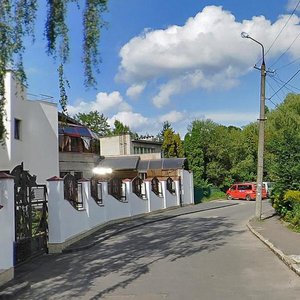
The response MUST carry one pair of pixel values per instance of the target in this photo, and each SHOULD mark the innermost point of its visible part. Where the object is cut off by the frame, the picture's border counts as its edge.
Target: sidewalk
(282, 241)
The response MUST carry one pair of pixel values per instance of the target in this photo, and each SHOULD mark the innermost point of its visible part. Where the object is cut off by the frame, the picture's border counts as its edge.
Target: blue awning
(76, 131)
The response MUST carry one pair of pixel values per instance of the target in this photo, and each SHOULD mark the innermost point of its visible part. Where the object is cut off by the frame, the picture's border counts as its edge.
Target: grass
(215, 196)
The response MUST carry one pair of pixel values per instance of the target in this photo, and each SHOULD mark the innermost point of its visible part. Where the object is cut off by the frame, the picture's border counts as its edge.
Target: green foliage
(288, 207)
(172, 145)
(95, 121)
(207, 147)
(292, 196)
(92, 25)
(120, 128)
(166, 125)
(283, 144)
(218, 195)
(17, 20)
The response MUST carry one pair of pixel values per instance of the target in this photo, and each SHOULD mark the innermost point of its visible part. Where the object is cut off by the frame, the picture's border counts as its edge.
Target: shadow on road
(122, 259)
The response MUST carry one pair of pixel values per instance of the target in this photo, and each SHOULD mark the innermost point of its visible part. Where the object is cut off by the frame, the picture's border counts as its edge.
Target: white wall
(187, 187)
(66, 223)
(38, 145)
(115, 145)
(169, 199)
(7, 228)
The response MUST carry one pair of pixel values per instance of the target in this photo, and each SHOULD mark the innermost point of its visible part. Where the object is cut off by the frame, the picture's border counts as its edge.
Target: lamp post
(261, 133)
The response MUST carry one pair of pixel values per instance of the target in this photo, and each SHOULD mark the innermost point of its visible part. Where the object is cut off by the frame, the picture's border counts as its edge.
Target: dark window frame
(17, 129)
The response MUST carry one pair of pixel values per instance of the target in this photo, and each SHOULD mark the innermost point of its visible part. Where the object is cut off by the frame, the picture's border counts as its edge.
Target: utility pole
(261, 133)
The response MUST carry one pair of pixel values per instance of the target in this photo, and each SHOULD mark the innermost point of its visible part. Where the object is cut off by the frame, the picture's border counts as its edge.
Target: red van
(244, 190)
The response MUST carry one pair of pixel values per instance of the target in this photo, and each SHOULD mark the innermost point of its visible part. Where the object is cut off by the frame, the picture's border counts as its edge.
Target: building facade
(126, 145)
(31, 133)
(79, 148)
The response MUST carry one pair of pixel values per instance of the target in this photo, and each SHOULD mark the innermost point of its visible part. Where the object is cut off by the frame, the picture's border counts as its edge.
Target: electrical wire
(279, 33)
(268, 83)
(280, 81)
(282, 28)
(290, 46)
(288, 64)
(285, 83)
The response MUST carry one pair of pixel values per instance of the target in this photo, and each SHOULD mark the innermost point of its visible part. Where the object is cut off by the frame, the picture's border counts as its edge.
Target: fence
(78, 208)
(119, 199)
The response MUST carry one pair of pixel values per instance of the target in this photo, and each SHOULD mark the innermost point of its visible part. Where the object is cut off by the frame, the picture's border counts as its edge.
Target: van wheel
(229, 197)
(248, 198)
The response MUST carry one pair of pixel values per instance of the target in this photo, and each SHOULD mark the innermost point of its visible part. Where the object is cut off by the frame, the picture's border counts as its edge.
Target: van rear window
(245, 187)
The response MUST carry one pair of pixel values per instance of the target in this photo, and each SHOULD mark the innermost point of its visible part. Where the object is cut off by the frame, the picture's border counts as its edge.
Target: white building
(126, 145)
(32, 133)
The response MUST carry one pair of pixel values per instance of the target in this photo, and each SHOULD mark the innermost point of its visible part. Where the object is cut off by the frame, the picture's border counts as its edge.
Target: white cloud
(135, 121)
(207, 52)
(135, 90)
(229, 118)
(172, 117)
(104, 103)
(191, 81)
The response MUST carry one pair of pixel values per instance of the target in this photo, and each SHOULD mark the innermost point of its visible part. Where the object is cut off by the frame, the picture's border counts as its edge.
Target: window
(17, 132)
(78, 175)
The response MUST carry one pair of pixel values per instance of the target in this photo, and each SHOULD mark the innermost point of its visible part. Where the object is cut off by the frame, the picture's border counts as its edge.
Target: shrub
(288, 207)
(292, 197)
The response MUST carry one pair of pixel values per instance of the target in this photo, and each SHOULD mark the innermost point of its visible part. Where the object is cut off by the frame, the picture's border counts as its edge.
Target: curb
(285, 258)
(146, 222)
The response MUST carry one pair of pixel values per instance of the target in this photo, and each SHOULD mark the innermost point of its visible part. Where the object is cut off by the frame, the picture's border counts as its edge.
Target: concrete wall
(124, 145)
(38, 143)
(187, 187)
(67, 225)
(115, 145)
(7, 228)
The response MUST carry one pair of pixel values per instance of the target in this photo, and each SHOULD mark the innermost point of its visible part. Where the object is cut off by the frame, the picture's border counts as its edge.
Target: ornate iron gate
(31, 211)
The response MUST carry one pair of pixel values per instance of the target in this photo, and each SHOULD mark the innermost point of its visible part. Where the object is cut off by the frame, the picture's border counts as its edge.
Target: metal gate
(31, 211)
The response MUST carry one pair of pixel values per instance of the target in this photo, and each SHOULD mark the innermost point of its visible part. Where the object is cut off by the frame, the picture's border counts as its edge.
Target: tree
(243, 152)
(166, 125)
(95, 121)
(283, 144)
(17, 20)
(172, 145)
(120, 128)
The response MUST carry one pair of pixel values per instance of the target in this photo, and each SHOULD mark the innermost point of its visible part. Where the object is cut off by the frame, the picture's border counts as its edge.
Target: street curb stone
(288, 260)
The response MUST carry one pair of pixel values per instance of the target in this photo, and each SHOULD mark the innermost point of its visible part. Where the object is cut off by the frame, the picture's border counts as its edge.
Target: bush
(205, 194)
(215, 196)
(292, 197)
(288, 207)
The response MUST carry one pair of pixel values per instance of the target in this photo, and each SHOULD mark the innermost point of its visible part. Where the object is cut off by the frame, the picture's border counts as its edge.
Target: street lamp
(261, 133)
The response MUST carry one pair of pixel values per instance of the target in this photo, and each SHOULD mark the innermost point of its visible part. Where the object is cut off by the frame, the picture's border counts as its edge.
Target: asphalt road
(204, 255)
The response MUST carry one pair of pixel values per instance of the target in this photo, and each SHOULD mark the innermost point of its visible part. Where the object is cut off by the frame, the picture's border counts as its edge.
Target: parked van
(244, 190)
(269, 187)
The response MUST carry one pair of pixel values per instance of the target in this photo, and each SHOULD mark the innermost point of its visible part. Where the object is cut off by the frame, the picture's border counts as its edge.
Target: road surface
(204, 255)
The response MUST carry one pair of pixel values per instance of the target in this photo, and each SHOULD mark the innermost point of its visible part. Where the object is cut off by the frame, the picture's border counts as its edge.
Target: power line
(283, 28)
(288, 64)
(268, 83)
(285, 83)
(286, 50)
(277, 79)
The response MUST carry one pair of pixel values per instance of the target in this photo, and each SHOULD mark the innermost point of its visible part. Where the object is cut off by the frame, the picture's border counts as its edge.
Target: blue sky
(177, 61)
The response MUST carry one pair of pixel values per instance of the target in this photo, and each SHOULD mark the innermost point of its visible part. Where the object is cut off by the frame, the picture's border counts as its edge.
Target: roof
(135, 163)
(76, 131)
(119, 162)
(163, 164)
(147, 142)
